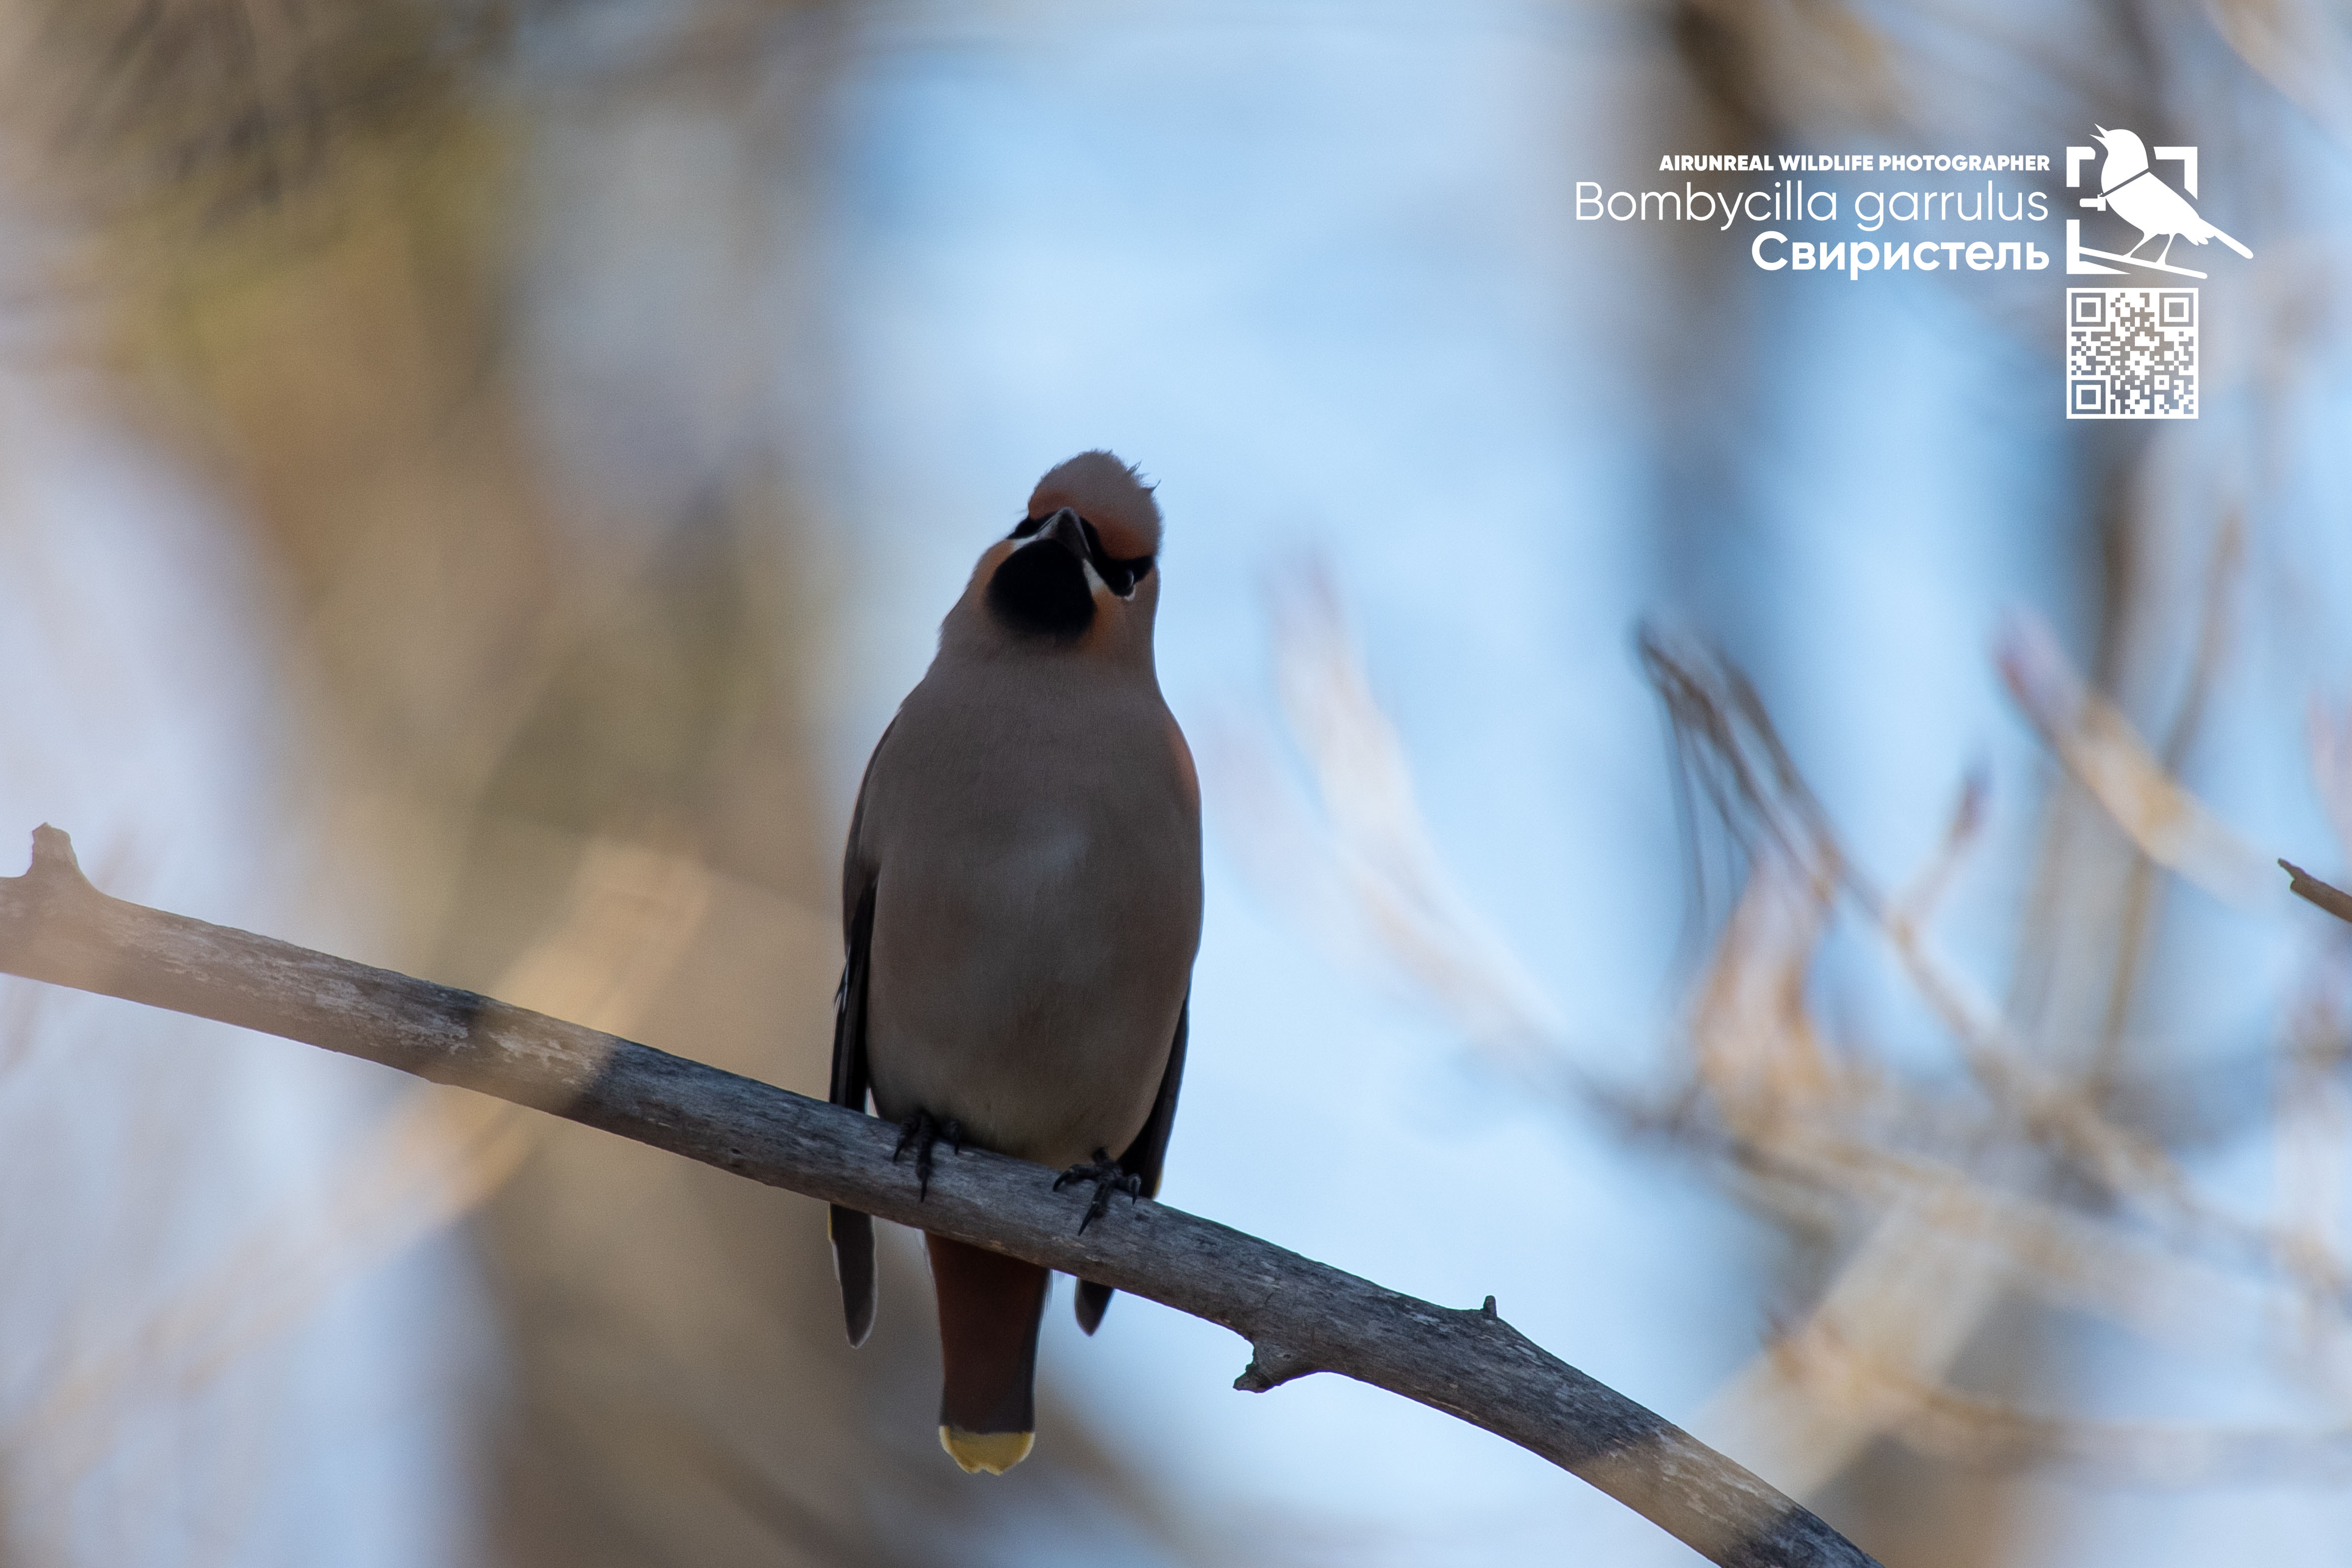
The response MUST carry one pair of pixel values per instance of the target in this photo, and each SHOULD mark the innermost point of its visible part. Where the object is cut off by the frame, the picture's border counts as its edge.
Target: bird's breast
(1035, 920)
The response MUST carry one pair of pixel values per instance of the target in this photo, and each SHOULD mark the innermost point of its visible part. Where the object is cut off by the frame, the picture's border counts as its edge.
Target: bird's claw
(1109, 1177)
(925, 1132)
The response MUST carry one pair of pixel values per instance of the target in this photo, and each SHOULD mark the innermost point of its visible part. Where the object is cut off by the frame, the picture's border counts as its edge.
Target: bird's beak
(1063, 529)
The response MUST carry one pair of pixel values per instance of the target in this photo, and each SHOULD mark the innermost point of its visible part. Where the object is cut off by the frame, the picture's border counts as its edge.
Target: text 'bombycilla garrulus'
(1022, 901)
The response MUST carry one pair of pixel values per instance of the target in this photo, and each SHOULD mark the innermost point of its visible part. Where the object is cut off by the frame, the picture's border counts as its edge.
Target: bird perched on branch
(1021, 903)
(2129, 186)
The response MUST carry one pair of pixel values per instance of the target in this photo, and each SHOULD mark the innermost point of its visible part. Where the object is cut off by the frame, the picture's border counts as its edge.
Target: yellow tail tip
(995, 1452)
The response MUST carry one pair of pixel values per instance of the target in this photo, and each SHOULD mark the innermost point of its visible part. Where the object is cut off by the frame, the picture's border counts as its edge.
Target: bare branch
(1300, 1316)
(2301, 884)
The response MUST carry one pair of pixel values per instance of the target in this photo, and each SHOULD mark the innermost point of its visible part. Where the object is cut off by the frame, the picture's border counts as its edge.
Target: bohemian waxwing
(1021, 899)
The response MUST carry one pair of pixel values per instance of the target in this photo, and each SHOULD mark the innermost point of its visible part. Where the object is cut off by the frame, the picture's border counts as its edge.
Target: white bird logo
(2140, 198)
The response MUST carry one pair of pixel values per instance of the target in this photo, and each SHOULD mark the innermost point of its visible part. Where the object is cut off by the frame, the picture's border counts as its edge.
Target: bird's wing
(1146, 1156)
(853, 1233)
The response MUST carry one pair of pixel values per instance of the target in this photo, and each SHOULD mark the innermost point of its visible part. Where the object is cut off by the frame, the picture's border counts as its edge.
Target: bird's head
(1076, 573)
(2124, 146)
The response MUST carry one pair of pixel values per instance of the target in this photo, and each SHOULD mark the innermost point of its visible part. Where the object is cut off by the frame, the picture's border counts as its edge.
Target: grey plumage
(1022, 901)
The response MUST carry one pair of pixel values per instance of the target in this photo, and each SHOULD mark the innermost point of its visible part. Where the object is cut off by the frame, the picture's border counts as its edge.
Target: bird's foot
(923, 1132)
(1109, 1177)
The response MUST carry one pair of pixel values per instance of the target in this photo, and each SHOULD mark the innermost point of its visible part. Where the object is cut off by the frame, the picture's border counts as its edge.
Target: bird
(1020, 908)
(2141, 199)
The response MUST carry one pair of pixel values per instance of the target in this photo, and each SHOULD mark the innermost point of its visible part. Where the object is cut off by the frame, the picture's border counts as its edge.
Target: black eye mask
(1043, 592)
(1119, 576)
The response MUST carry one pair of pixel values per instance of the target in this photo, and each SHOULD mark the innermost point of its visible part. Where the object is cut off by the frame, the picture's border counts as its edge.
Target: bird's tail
(2233, 244)
(990, 1306)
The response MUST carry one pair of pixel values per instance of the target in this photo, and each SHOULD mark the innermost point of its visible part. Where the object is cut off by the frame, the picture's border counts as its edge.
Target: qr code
(2131, 353)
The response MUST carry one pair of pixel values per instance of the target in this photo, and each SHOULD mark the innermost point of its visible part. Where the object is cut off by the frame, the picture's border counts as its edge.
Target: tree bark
(2326, 896)
(1298, 1315)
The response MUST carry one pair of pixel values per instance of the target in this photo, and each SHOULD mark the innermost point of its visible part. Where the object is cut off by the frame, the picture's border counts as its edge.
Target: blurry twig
(1300, 1316)
(1953, 1425)
(1724, 733)
(1949, 1189)
(2095, 742)
(1364, 872)
(431, 1162)
(1908, 913)
(1908, 1296)
(2301, 47)
(433, 1159)
(2143, 890)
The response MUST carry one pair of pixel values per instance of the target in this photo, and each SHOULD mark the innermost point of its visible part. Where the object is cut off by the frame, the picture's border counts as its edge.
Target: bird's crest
(1107, 493)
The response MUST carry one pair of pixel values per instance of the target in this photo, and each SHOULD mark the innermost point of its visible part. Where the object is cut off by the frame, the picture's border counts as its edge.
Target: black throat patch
(1041, 590)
